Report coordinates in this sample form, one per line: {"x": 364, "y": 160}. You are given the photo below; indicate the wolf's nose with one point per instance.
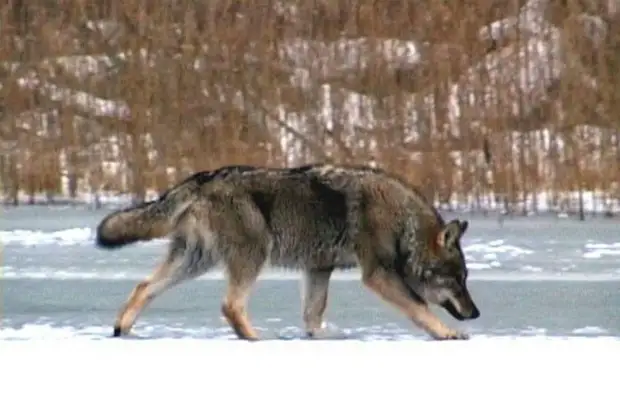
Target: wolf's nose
{"x": 475, "y": 313}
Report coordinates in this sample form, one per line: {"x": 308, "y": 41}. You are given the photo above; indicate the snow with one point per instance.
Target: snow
{"x": 63, "y": 237}
{"x": 598, "y": 250}
{"x": 483, "y": 367}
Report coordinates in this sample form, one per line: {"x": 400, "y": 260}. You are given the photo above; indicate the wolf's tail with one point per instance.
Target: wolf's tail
{"x": 156, "y": 219}
{"x": 142, "y": 222}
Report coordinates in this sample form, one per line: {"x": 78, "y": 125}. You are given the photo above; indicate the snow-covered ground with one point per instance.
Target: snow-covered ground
{"x": 484, "y": 367}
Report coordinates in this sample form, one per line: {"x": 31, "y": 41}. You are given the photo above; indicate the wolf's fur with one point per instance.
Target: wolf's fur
{"x": 316, "y": 217}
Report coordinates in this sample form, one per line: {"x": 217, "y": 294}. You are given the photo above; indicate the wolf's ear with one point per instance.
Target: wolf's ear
{"x": 451, "y": 233}
{"x": 464, "y": 225}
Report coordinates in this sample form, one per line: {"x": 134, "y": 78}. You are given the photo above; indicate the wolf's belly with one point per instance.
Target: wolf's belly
{"x": 311, "y": 254}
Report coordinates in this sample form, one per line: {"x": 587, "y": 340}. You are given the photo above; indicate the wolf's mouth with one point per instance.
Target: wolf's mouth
{"x": 450, "y": 308}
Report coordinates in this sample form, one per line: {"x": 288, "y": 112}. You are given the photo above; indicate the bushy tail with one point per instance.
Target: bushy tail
{"x": 142, "y": 222}
{"x": 155, "y": 219}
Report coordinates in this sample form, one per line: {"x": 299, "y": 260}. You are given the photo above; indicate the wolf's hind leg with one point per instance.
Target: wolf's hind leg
{"x": 242, "y": 274}
{"x": 314, "y": 298}
{"x": 182, "y": 263}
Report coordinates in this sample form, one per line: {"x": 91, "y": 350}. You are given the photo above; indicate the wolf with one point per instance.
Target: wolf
{"x": 316, "y": 218}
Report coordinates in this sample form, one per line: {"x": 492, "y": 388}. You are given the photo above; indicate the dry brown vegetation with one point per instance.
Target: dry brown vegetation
{"x": 132, "y": 95}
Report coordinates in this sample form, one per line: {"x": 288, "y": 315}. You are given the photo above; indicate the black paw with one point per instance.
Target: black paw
{"x": 117, "y": 331}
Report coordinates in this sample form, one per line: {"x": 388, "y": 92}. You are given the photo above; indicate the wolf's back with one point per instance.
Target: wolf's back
{"x": 152, "y": 219}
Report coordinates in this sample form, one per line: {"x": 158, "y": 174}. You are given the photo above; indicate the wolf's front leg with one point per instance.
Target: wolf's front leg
{"x": 391, "y": 288}
{"x": 314, "y": 298}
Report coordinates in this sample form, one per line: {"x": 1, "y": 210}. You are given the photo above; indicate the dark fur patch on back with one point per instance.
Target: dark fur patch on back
{"x": 264, "y": 203}
{"x": 334, "y": 205}
{"x": 334, "y": 201}
{"x": 300, "y": 170}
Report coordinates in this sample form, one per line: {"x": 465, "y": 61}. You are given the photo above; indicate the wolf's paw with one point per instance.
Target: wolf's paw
{"x": 315, "y": 333}
{"x": 120, "y": 331}
{"x": 316, "y": 330}
{"x": 117, "y": 331}
{"x": 452, "y": 335}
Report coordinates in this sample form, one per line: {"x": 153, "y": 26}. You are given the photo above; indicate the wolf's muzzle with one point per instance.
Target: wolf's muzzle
{"x": 464, "y": 311}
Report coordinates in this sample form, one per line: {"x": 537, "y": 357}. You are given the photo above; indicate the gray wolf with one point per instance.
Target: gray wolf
{"x": 317, "y": 218}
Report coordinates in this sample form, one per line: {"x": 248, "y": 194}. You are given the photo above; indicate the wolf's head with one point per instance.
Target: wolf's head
{"x": 442, "y": 279}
